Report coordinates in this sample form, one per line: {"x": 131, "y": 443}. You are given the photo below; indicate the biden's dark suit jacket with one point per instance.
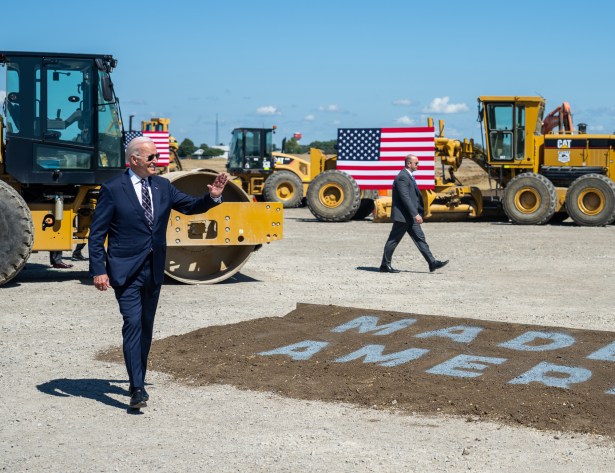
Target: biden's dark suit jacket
{"x": 120, "y": 217}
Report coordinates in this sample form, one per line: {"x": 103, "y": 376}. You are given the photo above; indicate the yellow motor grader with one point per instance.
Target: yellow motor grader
{"x": 540, "y": 167}
{"x": 62, "y": 137}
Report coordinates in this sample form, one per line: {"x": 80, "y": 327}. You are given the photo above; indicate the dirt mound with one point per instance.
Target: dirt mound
{"x": 538, "y": 376}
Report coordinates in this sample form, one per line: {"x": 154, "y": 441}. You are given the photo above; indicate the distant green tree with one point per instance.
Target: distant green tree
{"x": 292, "y": 146}
{"x": 186, "y": 148}
{"x": 327, "y": 147}
{"x": 212, "y": 152}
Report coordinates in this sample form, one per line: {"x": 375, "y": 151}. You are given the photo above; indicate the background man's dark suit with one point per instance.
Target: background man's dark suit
{"x": 135, "y": 258}
{"x": 407, "y": 204}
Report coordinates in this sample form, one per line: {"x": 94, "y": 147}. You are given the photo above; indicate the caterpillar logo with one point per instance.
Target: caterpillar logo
{"x": 563, "y": 153}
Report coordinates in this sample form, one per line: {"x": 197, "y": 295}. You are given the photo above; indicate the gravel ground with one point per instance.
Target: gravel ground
{"x": 63, "y": 411}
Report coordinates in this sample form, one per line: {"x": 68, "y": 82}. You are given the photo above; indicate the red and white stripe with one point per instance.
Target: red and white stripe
{"x": 395, "y": 145}
{"x": 161, "y": 140}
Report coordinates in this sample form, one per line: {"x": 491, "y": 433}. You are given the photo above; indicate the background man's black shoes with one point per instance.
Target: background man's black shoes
{"x": 437, "y": 265}
{"x": 388, "y": 269}
{"x": 61, "y": 265}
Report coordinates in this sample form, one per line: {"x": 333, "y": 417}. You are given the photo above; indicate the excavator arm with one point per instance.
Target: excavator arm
{"x": 560, "y": 117}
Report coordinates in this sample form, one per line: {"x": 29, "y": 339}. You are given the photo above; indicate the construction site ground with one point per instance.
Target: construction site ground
{"x": 63, "y": 387}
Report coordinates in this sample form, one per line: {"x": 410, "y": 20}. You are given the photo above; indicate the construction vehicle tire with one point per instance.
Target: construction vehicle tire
{"x": 205, "y": 264}
{"x": 17, "y": 232}
{"x": 333, "y": 196}
{"x": 366, "y": 207}
{"x": 590, "y": 200}
{"x": 530, "y": 199}
{"x": 284, "y": 187}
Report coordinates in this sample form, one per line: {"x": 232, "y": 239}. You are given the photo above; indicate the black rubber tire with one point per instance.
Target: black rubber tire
{"x": 366, "y": 207}
{"x": 284, "y": 187}
{"x": 17, "y": 233}
{"x": 530, "y": 199}
{"x": 333, "y": 196}
{"x": 590, "y": 200}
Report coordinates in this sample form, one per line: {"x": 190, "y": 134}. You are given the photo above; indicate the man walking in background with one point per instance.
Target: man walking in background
{"x": 407, "y": 215}
{"x": 133, "y": 212}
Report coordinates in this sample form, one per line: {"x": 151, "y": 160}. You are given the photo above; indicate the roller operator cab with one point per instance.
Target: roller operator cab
{"x": 62, "y": 119}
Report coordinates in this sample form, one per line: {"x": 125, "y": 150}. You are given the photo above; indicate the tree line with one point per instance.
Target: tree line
{"x": 291, "y": 146}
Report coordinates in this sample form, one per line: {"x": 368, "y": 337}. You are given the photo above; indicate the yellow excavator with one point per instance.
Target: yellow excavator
{"x": 62, "y": 137}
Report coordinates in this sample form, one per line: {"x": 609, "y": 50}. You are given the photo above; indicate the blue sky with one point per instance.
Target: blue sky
{"x": 313, "y": 67}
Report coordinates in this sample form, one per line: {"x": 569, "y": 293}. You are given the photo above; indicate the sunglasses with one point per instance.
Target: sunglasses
{"x": 151, "y": 157}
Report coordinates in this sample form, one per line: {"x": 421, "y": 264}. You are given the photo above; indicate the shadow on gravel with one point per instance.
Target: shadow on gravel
{"x": 35, "y": 272}
{"x": 236, "y": 278}
{"x": 95, "y": 389}
{"x": 376, "y": 269}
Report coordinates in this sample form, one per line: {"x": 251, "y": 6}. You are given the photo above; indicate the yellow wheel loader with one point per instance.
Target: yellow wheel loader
{"x": 330, "y": 194}
{"x": 62, "y": 138}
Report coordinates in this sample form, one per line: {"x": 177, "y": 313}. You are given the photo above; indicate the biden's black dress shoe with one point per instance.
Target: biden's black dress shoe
{"x": 131, "y": 390}
{"x": 137, "y": 401}
{"x": 437, "y": 265}
{"x": 388, "y": 269}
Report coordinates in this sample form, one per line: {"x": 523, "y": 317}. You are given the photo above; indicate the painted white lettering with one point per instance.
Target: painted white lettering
{"x": 606, "y": 353}
{"x": 458, "y": 365}
{"x": 298, "y": 351}
{"x": 563, "y": 143}
{"x": 373, "y": 354}
{"x": 459, "y": 333}
{"x": 539, "y": 374}
{"x": 368, "y": 323}
{"x": 556, "y": 340}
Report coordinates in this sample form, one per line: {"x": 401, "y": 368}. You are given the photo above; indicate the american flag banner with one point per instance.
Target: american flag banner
{"x": 161, "y": 140}
{"x": 374, "y": 156}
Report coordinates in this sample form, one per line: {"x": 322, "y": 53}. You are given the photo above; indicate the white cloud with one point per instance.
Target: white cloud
{"x": 402, "y": 102}
{"x": 2, "y": 95}
{"x": 267, "y": 110}
{"x": 309, "y": 118}
{"x": 441, "y": 105}
{"x": 336, "y": 122}
{"x": 405, "y": 120}
{"x": 329, "y": 108}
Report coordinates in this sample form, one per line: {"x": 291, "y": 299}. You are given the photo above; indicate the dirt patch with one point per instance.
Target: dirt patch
{"x": 539, "y": 376}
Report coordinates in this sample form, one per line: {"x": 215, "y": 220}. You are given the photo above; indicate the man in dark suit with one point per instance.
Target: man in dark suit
{"x": 132, "y": 212}
{"x": 407, "y": 215}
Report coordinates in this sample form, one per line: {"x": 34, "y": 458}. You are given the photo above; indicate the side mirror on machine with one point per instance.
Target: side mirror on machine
{"x": 107, "y": 88}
